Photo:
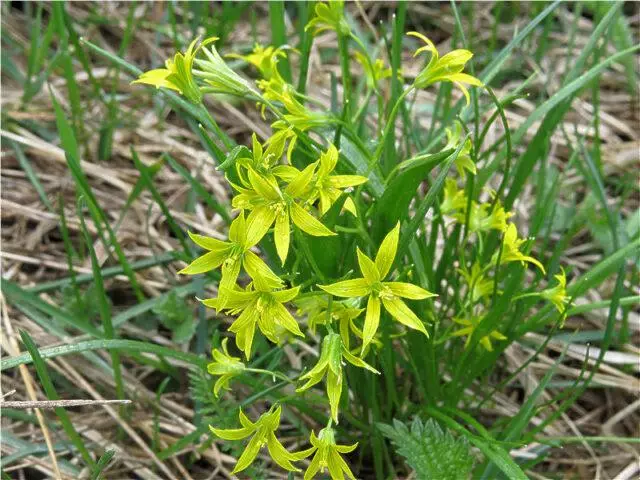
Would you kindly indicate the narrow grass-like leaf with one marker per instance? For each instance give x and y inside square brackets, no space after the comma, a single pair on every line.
[101,221]
[144,175]
[108,272]
[279,34]
[15,293]
[50,391]
[199,189]
[124,345]
[103,304]
[102,464]
[427,202]
[31,175]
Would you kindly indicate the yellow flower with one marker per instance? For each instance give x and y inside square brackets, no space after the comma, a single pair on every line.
[217,74]
[558,294]
[263,160]
[263,432]
[330,363]
[261,306]
[234,254]
[329,16]
[482,220]
[316,308]
[271,205]
[511,249]
[327,455]
[469,326]
[463,161]
[479,286]
[265,59]
[297,119]
[374,72]
[224,365]
[378,292]
[454,198]
[444,69]
[328,188]
[178,74]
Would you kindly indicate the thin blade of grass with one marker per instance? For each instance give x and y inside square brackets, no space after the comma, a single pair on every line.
[103,304]
[50,391]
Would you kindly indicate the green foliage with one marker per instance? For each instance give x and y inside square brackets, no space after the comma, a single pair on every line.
[430,450]
[317,198]
[176,315]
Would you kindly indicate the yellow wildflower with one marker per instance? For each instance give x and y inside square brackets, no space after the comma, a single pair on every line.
[469,326]
[444,69]
[271,205]
[178,74]
[259,305]
[234,254]
[330,363]
[224,365]
[378,292]
[327,456]
[511,249]
[329,16]
[263,433]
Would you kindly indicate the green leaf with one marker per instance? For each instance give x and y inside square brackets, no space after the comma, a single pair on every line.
[47,385]
[393,206]
[177,316]
[125,345]
[429,450]
[103,462]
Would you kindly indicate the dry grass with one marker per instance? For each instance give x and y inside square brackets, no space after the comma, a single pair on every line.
[33,251]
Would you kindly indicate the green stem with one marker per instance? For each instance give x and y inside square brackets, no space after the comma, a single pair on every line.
[343,48]
[279,375]
[387,129]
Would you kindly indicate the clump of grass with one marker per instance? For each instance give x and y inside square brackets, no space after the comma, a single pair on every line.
[391,248]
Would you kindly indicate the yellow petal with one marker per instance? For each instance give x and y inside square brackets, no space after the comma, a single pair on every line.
[387,251]
[308,223]
[357,287]
[407,290]
[399,310]
[368,268]
[371,322]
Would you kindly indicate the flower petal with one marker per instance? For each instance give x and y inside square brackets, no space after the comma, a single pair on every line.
[281,236]
[263,277]
[280,454]
[301,182]
[209,243]
[282,316]
[258,223]
[249,455]
[264,187]
[358,362]
[368,268]
[399,310]
[208,261]
[284,296]
[371,322]
[408,290]
[334,391]
[308,223]
[357,287]
[232,433]
[345,181]
[387,251]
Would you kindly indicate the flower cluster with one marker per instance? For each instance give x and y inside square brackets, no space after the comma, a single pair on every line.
[281,202]
[480,280]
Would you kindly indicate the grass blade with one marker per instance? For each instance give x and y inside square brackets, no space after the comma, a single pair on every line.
[103,304]
[50,391]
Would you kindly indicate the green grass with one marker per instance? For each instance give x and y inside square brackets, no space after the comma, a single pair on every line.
[69,67]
